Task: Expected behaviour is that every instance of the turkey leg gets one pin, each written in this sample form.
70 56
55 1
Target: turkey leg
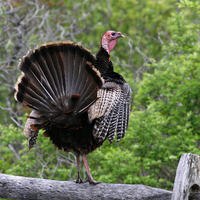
78 180
90 179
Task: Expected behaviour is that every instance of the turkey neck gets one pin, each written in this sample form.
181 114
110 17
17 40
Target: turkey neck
103 62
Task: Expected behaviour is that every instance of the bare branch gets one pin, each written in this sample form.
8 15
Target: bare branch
14 151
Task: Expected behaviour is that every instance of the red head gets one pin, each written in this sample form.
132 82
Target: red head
109 40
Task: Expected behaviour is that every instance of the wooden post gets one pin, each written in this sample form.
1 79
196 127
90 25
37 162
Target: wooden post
187 180
23 188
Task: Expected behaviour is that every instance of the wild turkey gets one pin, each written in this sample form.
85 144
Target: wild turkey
76 97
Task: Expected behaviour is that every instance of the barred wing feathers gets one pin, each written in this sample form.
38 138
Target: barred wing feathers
111 111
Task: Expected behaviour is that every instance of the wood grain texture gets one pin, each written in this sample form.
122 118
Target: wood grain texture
187 180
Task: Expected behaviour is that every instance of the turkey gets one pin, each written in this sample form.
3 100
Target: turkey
76 97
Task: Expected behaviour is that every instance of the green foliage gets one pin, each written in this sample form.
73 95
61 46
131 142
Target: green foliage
42 161
172 91
173 88
148 154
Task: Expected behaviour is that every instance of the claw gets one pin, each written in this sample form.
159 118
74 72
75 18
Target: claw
91 181
78 180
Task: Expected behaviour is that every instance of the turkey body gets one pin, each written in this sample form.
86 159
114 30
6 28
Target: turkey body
77 138
77 98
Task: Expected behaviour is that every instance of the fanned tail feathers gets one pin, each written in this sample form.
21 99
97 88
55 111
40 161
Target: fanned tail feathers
58 79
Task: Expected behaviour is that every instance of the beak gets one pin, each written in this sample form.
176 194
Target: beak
120 35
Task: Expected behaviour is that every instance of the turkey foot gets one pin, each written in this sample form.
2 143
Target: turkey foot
89 179
79 179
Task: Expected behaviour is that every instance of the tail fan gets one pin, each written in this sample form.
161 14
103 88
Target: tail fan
58 79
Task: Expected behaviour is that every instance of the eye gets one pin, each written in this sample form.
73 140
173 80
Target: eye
113 33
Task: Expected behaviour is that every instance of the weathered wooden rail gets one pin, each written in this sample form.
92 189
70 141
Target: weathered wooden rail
16 187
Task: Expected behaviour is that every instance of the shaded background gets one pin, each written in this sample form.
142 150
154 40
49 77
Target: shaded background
159 58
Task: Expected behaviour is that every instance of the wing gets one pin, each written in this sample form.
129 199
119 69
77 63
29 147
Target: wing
29 130
111 111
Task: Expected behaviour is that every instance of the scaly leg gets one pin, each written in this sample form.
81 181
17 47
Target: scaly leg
78 180
90 179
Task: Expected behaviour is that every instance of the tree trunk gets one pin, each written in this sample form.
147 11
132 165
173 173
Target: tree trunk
16 187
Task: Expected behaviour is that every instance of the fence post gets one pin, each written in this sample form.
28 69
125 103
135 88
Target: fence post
187 180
